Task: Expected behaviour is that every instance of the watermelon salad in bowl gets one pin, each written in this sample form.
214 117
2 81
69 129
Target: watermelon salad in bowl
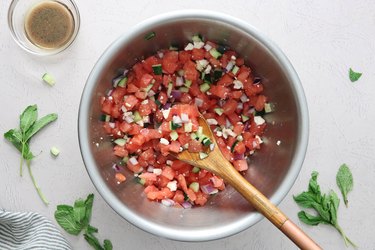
140 107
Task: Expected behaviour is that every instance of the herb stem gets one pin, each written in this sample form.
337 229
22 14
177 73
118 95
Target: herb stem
346 239
23 146
41 195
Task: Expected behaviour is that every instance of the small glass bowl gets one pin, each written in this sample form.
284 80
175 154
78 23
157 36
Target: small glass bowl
17 13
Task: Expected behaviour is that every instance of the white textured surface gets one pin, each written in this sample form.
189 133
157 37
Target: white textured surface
322 39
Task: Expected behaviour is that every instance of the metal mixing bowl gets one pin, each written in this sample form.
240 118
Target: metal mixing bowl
272 170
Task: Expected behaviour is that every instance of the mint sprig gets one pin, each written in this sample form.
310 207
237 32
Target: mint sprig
354 76
75 219
20 138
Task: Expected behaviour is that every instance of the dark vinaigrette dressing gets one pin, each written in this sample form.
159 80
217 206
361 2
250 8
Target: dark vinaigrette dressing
49 25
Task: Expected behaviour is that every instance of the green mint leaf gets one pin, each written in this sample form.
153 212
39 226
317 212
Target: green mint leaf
79 211
108 245
93 241
38 125
15 137
334 206
310 219
65 218
344 180
90 229
305 199
313 184
354 76
28 117
88 203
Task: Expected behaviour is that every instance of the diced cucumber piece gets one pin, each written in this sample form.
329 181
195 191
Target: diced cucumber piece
180 72
196 38
193 136
194 186
47 78
137 116
174 126
173 135
202 155
140 180
148 88
150 35
204 87
184 90
120 141
219 111
125 159
122 82
199 131
188 127
196 170
169 90
55 151
235 69
158 70
173 47
188 83
233 146
206 141
217 74
268 107
216 54
105 118
244 118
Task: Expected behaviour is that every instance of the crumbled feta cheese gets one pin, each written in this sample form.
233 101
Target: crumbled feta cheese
110 98
133 160
208 69
278 143
198 45
189 46
219 133
237 84
233 58
140 123
166 113
184 118
146 119
211 121
145 101
123 109
169 162
127 104
176 119
164 141
259 120
172 185
157 171
207 47
260 141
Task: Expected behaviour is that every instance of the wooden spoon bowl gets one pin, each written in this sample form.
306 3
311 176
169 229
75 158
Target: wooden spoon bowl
219 165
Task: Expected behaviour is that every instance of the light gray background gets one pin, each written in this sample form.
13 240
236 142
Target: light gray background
322 39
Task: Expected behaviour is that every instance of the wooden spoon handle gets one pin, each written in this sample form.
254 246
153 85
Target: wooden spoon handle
269 210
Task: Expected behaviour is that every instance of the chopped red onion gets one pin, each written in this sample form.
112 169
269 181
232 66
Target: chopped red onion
240 105
116 167
167 202
257 80
237 156
176 119
198 102
244 98
184 118
246 125
151 93
176 94
109 93
150 169
160 54
229 66
186 204
128 119
112 125
209 189
125 72
227 123
167 106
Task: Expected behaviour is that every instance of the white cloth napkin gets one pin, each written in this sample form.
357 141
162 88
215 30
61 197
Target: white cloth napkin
26 231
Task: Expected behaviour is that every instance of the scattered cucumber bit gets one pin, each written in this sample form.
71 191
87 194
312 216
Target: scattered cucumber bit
196 170
233 146
148 88
235 69
204 87
125 159
202 155
105 118
157 69
194 186
121 142
184 90
175 126
150 35
47 78
197 38
193 136
217 74
137 116
188 127
206 141
268 107
122 83
188 83
55 151
244 118
216 54
174 135
169 90
140 180
219 111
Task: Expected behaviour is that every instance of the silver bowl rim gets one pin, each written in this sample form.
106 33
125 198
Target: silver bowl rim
204 234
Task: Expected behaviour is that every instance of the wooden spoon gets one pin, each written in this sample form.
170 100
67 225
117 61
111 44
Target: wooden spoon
219 165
